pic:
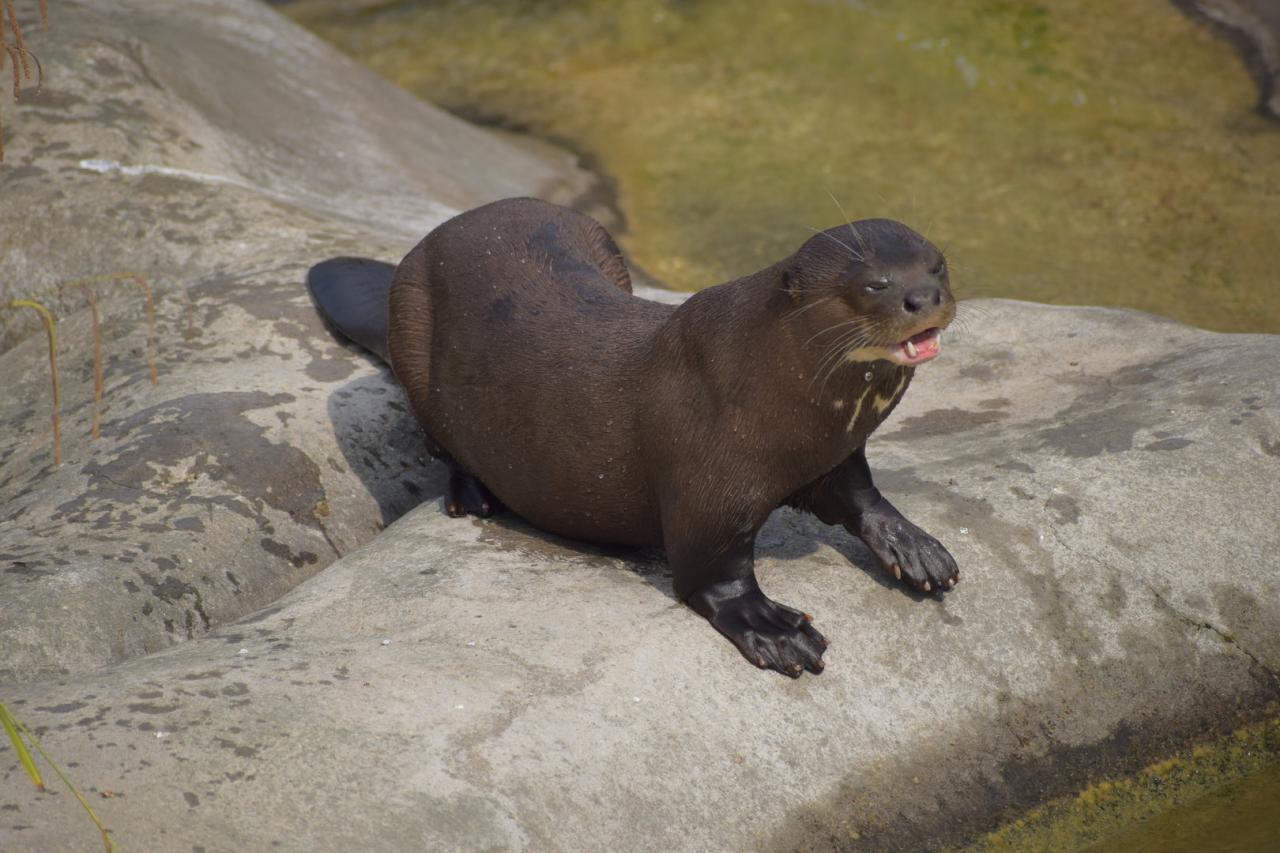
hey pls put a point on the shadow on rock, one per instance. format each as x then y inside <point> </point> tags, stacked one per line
<point>383,445</point>
<point>792,535</point>
<point>509,531</point>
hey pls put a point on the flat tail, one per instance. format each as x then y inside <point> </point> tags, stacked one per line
<point>352,295</point>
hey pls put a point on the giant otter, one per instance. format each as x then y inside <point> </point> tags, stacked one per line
<point>545,385</point>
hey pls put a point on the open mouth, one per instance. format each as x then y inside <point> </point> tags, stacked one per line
<point>918,348</point>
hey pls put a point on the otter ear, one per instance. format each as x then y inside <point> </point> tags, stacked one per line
<point>790,283</point>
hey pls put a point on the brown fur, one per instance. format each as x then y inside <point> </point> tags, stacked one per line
<point>601,416</point>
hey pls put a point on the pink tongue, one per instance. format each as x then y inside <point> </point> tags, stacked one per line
<point>926,344</point>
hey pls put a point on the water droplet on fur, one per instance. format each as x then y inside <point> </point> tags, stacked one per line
<point>867,376</point>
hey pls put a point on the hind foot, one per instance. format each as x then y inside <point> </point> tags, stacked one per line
<point>469,496</point>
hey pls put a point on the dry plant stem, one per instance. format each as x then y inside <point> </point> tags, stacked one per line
<point>18,54</point>
<point>18,40</point>
<point>97,364</point>
<point>151,310</point>
<point>39,71</point>
<point>51,331</point>
<point>12,53</point>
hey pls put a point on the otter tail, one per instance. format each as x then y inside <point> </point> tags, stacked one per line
<point>352,295</point>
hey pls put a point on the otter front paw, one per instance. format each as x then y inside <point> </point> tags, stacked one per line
<point>906,551</point>
<point>769,634</point>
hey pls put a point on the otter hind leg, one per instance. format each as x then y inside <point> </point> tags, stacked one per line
<point>409,350</point>
<point>468,496</point>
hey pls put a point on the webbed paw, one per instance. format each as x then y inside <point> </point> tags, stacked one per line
<point>770,635</point>
<point>906,551</point>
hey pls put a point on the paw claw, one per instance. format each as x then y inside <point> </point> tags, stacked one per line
<point>769,635</point>
<point>907,552</point>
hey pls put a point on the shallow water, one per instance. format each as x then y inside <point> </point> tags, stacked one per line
<point>1242,816</point>
<point>1073,152</point>
<point>1221,797</point>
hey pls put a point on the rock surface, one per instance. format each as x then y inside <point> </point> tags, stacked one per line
<point>176,138</point>
<point>1107,481</point>
<point>221,151</point>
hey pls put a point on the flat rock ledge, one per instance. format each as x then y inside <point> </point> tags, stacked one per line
<point>1107,481</point>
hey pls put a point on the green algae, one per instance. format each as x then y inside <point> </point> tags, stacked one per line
<point>1220,796</point>
<point>1239,817</point>
<point>1071,152</point>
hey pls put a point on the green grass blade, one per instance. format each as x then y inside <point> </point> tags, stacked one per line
<point>18,731</point>
<point>24,756</point>
<point>107,841</point>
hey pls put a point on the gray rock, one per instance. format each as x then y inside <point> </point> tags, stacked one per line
<point>174,138</point>
<point>220,150</point>
<point>1106,479</point>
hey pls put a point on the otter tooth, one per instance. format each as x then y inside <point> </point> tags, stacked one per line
<point>911,349</point>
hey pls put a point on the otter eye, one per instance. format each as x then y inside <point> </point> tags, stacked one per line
<point>939,268</point>
<point>877,285</point>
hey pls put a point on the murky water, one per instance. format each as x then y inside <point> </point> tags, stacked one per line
<point>1078,151</point>
<point>1240,817</point>
<point>1221,797</point>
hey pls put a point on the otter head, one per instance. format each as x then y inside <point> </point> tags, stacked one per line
<point>870,290</point>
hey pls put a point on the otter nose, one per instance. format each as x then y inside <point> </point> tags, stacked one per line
<point>920,298</point>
